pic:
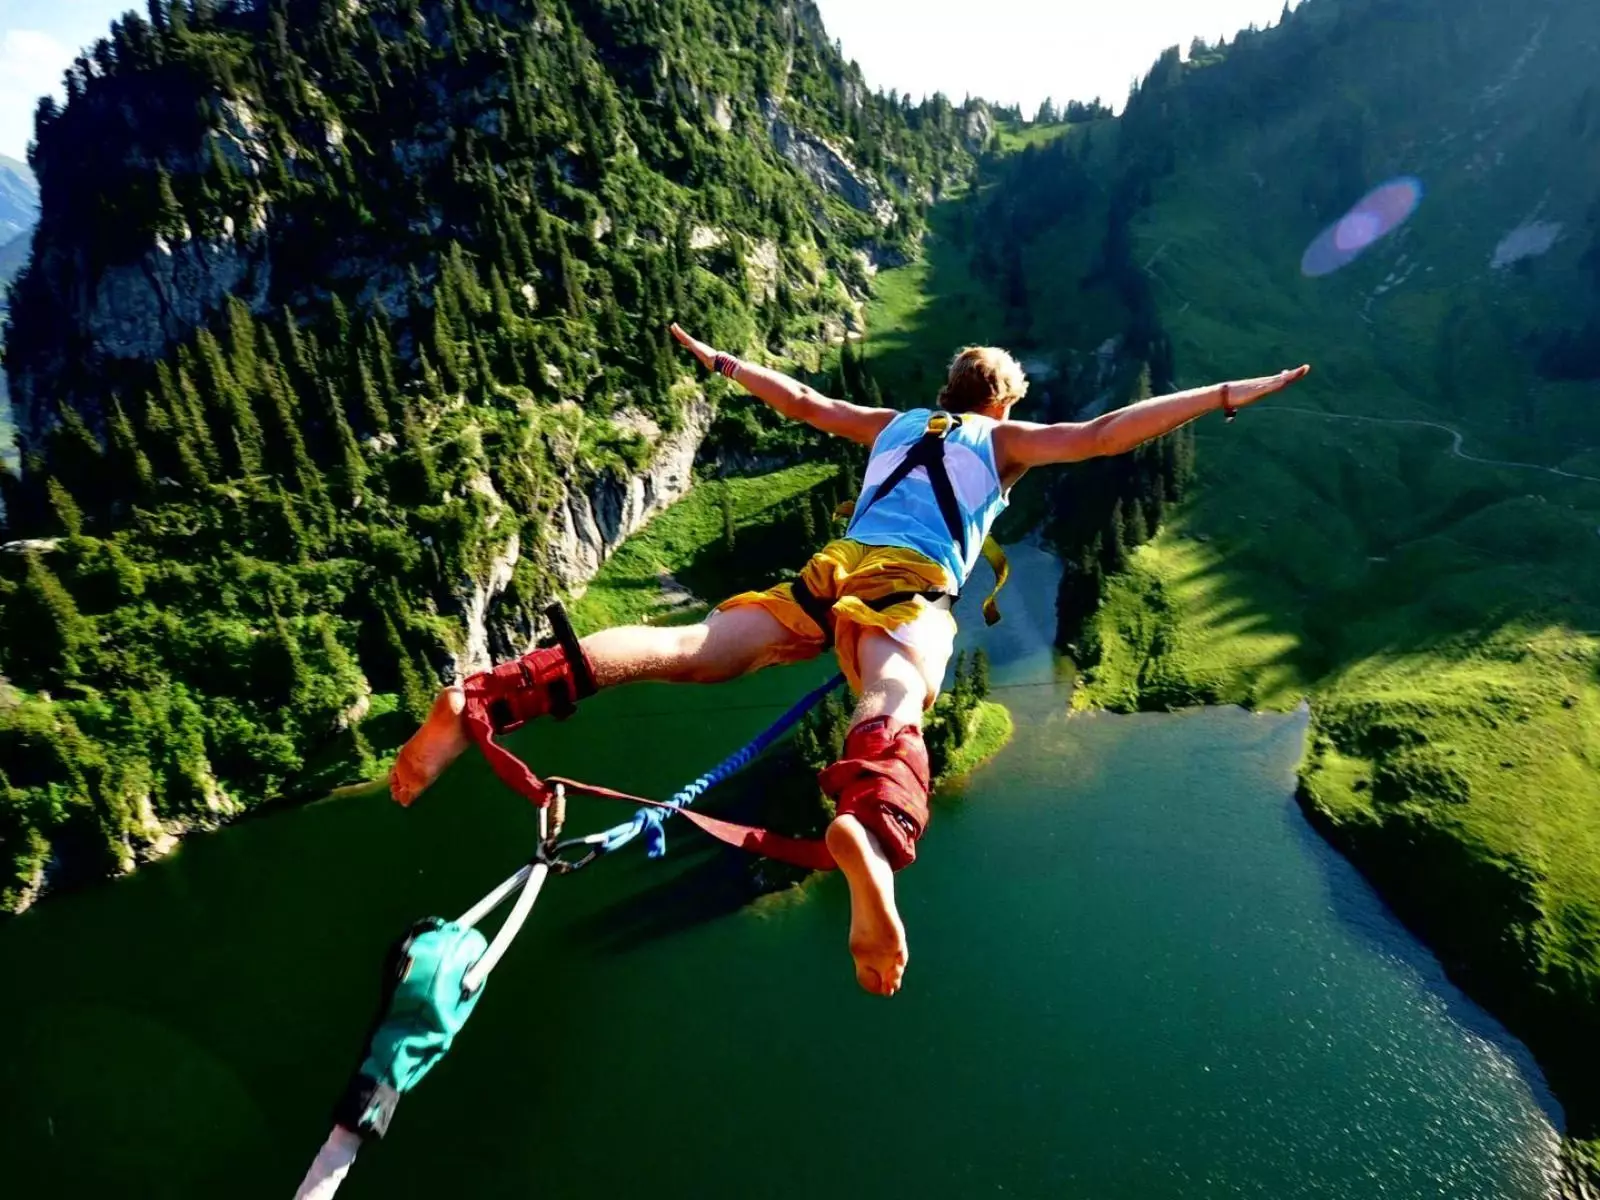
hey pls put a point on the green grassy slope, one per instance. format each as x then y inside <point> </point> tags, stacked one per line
<point>686,546</point>
<point>1442,614</point>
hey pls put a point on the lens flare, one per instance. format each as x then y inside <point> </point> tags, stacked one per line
<point>1379,213</point>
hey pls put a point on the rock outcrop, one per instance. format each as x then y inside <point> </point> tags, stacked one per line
<point>826,165</point>
<point>979,130</point>
<point>588,525</point>
<point>139,310</point>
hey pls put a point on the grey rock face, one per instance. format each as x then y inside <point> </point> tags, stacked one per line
<point>826,165</point>
<point>585,529</point>
<point>138,310</point>
<point>594,521</point>
<point>980,128</point>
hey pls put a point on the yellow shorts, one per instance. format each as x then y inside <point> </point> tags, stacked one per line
<point>852,575</point>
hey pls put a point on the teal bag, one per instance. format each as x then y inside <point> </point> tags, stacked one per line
<point>423,1009</point>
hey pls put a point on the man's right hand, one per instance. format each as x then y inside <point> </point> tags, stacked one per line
<point>704,353</point>
<point>1247,391</point>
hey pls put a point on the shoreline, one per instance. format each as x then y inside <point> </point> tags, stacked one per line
<point>1478,910</point>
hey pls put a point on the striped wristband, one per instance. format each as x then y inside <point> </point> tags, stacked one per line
<point>725,364</point>
<point>1227,407</point>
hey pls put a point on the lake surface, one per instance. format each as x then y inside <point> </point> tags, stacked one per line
<point>1136,973</point>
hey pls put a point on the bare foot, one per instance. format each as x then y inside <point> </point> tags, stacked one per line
<point>877,936</point>
<point>439,742</point>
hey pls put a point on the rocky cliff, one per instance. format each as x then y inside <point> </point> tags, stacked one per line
<point>342,349</point>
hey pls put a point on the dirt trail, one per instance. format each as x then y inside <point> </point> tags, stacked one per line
<point>1456,435</point>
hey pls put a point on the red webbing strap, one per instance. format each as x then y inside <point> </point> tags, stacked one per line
<point>513,772</point>
<point>798,852</point>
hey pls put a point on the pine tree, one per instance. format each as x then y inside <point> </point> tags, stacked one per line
<point>372,407</point>
<point>521,252</point>
<point>961,687</point>
<point>610,326</point>
<point>567,279</point>
<point>169,213</point>
<point>366,760</point>
<point>59,639</point>
<point>482,373</point>
<point>340,316</point>
<point>980,675</point>
<point>418,481</point>
<point>1134,531</point>
<point>383,359</point>
<point>167,423</point>
<point>133,466</point>
<point>242,360</point>
<point>1170,489</point>
<point>1115,556</point>
<point>281,672</point>
<point>293,531</point>
<point>446,349</point>
<point>291,453</point>
<point>432,386</point>
<point>1141,386</point>
<point>414,693</point>
<point>351,470</point>
<point>1185,459</point>
<point>66,509</point>
<point>1155,508</point>
<point>189,413</point>
<point>505,314</point>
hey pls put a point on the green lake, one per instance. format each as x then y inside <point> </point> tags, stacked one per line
<point>1136,973</point>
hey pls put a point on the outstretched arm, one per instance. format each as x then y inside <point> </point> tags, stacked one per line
<point>1023,444</point>
<point>791,398</point>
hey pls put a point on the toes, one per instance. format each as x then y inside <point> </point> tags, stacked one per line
<point>402,785</point>
<point>881,978</point>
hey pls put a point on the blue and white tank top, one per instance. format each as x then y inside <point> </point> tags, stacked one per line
<point>909,516</point>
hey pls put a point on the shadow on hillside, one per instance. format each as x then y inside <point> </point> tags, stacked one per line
<point>924,313</point>
<point>1442,563</point>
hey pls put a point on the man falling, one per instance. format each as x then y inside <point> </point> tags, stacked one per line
<point>881,597</point>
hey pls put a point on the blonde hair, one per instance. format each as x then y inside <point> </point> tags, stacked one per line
<point>982,375</point>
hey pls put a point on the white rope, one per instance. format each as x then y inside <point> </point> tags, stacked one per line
<point>332,1164</point>
<point>473,979</point>
<point>494,899</point>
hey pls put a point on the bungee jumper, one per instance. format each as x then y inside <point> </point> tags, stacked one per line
<point>880,597</point>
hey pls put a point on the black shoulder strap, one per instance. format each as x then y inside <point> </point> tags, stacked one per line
<point>928,453</point>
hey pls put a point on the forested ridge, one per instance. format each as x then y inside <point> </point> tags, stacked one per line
<point>344,324</point>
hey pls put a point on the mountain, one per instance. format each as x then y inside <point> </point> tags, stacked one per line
<point>19,198</point>
<point>343,347</point>
<point>1408,538</point>
<point>13,257</point>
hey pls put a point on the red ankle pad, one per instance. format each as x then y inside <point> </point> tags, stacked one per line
<point>882,781</point>
<point>543,681</point>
